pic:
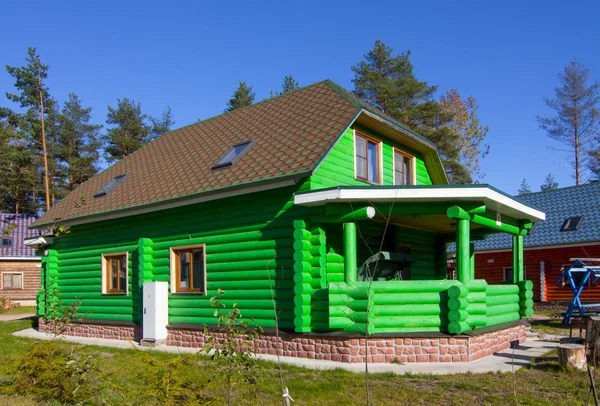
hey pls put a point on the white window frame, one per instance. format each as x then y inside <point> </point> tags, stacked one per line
<point>105,273</point>
<point>13,273</point>
<point>413,165</point>
<point>380,152</point>
<point>173,269</point>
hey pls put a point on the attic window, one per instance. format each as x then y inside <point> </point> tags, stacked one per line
<point>7,241</point>
<point>233,155</point>
<point>116,181</point>
<point>572,223</point>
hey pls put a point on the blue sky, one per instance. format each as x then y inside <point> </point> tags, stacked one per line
<point>190,55</point>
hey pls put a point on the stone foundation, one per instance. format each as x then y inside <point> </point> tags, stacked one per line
<point>341,349</point>
<point>109,331</point>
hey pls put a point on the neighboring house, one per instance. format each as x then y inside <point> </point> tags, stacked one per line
<point>280,204</point>
<point>571,230</point>
<point>19,266</point>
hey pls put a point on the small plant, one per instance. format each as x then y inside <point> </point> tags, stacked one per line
<point>57,315</point>
<point>232,354</point>
<point>49,372</point>
<point>166,382</point>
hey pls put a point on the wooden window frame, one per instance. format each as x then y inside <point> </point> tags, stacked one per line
<point>378,143</point>
<point>106,277</point>
<point>174,260</point>
<point>413,165</point>
<point>13,273</point>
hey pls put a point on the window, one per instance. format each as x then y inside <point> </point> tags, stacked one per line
<point>508,274</point>
<point>111,185</point>
<point>12,281</point>
<point>115,273</point>
<point>572,223</point>
<point>188,270</point>
<point>367,159</point>
<point>403,168</point>
<point>233,155</point>
<point>7,241</point>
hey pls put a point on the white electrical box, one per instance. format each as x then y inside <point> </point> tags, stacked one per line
<point>155,311</point>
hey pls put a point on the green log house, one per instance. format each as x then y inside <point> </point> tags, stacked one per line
<point>315,199</point>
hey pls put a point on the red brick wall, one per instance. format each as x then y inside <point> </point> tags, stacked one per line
<point>554,259</point>
<point>31,279</point>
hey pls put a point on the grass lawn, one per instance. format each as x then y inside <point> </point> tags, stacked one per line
<point>542,383</point>
<point>18,310</point>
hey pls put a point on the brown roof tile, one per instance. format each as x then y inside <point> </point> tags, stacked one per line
<point>291,133</point>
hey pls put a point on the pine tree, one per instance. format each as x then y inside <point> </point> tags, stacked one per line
<point>33,96</point>
<point>289,84</point>
<point>389,83</point>
<point>78,146</point>
<point>549,183</point>
<point>129,129</point>
<point>242,97</point>
<point>576,122</point>
<point>162,124</point>
<point>524,188</point>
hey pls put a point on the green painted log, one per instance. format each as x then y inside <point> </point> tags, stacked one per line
<point>407,298</point>
<point>477,297</point>
<point>83,261</point>
<point>497,290</point>
<point>105,316</point>
<point>458,327</point>
<point>501,300</point>
<point>457,291</point>
<point>267,323</point>
<point>408,310</point>
<point>79,275</point>
<point>273,274</point>
<point>81,289</point>
<point>265,304</point>
<point>302,278</point>
<point>231,236</point>
<point>458,315</point>
<point>401,287</point>
<point>409,321</point>
<point>502,309</point>
<point>304,288</point>
<point>477,286</point>
<point>303,311</point>
<point>268,254</point>
<point>526,294</point>
<point>254,264</point>
<point>477,309</point>
<point>161,278</point>
<point>318,262</point>
<point>477,320</point>
<point>107,309</point>
<point>456,303</point>
<point>111,301</point>
<point>302,267</point>
<point>302,256</point>
<point>526,303</point>
<point>350,255</point>
<point>527,312</point>
<point>504,318</point>
<point>78,255</point>
<point>504,227</point>
<point>258,284</point>
<point>81,282</point>
<point>246,313</point>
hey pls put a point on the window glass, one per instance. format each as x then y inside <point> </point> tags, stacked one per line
<point>373,162</point>
<point>402,169</point>
<point>232,155</point>
<point>115,267</point>
<point>12,281</point>
<point>367,159</point>
<point>189,273</point>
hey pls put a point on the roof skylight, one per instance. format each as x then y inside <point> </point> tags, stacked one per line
<point>113,183</point>
<point>233,155</point>
<point>572,223</point>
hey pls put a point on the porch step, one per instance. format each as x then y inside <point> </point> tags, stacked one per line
<point>529,333</point>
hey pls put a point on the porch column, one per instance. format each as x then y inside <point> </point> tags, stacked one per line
<point>472,260</point>
<point>463,242</point>
<point>518,270</point>
<point>350,271</point>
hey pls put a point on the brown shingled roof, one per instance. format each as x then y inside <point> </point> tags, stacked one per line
<point>291,134</point>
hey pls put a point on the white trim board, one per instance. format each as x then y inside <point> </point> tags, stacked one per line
<point>20,258</point>
<point>492,199</point>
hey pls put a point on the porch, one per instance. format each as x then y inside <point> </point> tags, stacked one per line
<point>387,294</point>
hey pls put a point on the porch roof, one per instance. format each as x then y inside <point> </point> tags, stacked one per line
<point>492,198</point>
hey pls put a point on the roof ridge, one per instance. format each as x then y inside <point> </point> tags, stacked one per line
<point>540,192</point>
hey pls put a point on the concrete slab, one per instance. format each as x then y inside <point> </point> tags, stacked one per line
<point>504,361</point>
<point>12,317</point>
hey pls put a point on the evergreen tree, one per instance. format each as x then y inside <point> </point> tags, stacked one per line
<point>18,174</point>
<point>129,129</point>
<point>524,188</point>
<point>33,97</point>
<point>242,97</point>
<point>78,146</point>
<point>576,121</point>
<point>549,183</point>
<point>163,124</point>
<point>594,162</point>
<point>388,82</point>
<point>471,133</point>
<point>289,84</point>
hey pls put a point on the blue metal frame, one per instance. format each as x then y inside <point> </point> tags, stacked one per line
<point>588,271</point>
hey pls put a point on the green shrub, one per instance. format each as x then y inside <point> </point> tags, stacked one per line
<point>49,371</point>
